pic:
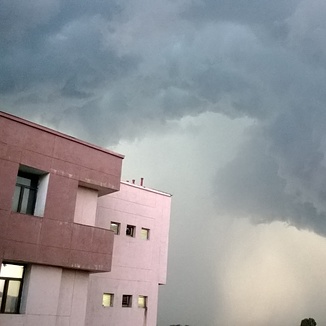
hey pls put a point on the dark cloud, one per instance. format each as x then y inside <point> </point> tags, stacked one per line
<point>57,43</point>
<point>108,71</point>
<point>245,12</point>
<point>86,68</point>
<point>253,185</point>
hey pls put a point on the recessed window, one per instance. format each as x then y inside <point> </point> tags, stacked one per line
<point>30,192</point>
<point>142,301</point>
<point>130,230</point>
<point>115,227</point>
<point>25,193</point>
<point>107,300</point>
<point>144,234</point>
<point>11,279</point>
<point>126,300</point>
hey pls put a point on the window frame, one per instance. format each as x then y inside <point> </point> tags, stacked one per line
<point>111,295</point>
<point>145,298</point>
<point>147,237</point>
<point>7,280</point>
<point>118,225</point>
<point>132,229</point>
<point>31,197</point>
<point>39,187</point>
<point>126,301</point>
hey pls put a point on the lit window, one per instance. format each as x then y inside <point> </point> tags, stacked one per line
<point>30,192</point>
<point>115,227</point>
<point>107,300</point>
<point>144,234</point>
<point>130,230</point>
<point>142,301</point>
<point>126,300</point>
<point>11,279</point>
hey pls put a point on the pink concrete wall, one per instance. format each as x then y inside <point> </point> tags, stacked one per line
<point>69,234</point>
<point>86,204</point>
<point>138,266</point>
<point>53,297</point>
<point>55,239</point>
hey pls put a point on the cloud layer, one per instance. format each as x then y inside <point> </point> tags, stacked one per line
<point>162,79</point>
<point>106,71</point>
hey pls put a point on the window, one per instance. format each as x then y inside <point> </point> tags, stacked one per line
<point>30,192</point>
<point>144,234</point>
<point>115,227</point>
<point>126,300</point>
<point>130,230</point>
<point>25,193</point>
<point>11,279</point>
<point>107,300</point>
<point>142,301</point>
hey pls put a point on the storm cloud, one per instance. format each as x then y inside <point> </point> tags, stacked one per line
<point>221,103</point>
<point>89,68</point>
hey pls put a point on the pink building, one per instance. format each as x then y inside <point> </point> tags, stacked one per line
<point>77,245</point>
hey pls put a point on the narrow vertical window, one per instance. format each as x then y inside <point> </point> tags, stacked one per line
<point>142,301</point>
<point>25,193</point>
<point>30,191</point>
<point>130,230</point>
<point>144,234</point>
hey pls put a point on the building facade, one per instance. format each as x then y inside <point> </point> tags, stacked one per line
<point>77,245</point>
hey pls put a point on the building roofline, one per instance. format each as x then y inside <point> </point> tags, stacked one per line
<point>146,189</point>
<point>57,133</point>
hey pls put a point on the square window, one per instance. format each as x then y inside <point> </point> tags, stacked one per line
<point>126,300</point>
<point>11,279</point>
<point>115,227</point>
<point>130,230</point>
<point>142,301</point>
<point>107,300</point>
<point>144,234</point>
<point>30,192</point>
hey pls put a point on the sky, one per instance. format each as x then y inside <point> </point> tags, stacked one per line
<point>219,102</point>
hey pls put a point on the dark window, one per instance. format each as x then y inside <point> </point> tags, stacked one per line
<point>126,300</point>
<point>25,193</point>
<point>31,191</point>
<point>11,279</point>
<point>130,230</point>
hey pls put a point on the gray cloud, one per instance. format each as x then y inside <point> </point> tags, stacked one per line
<point>111,71</point>
<point>250,12</point>
<point>254,186</point>
<point>53,42</point>
<point>86,69</point>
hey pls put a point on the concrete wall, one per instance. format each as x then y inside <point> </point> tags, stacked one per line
<point>52,236</point>
<point>138,266</point>
<point>69,234</point>
<point>51,296</point>
<point>86,204</point>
